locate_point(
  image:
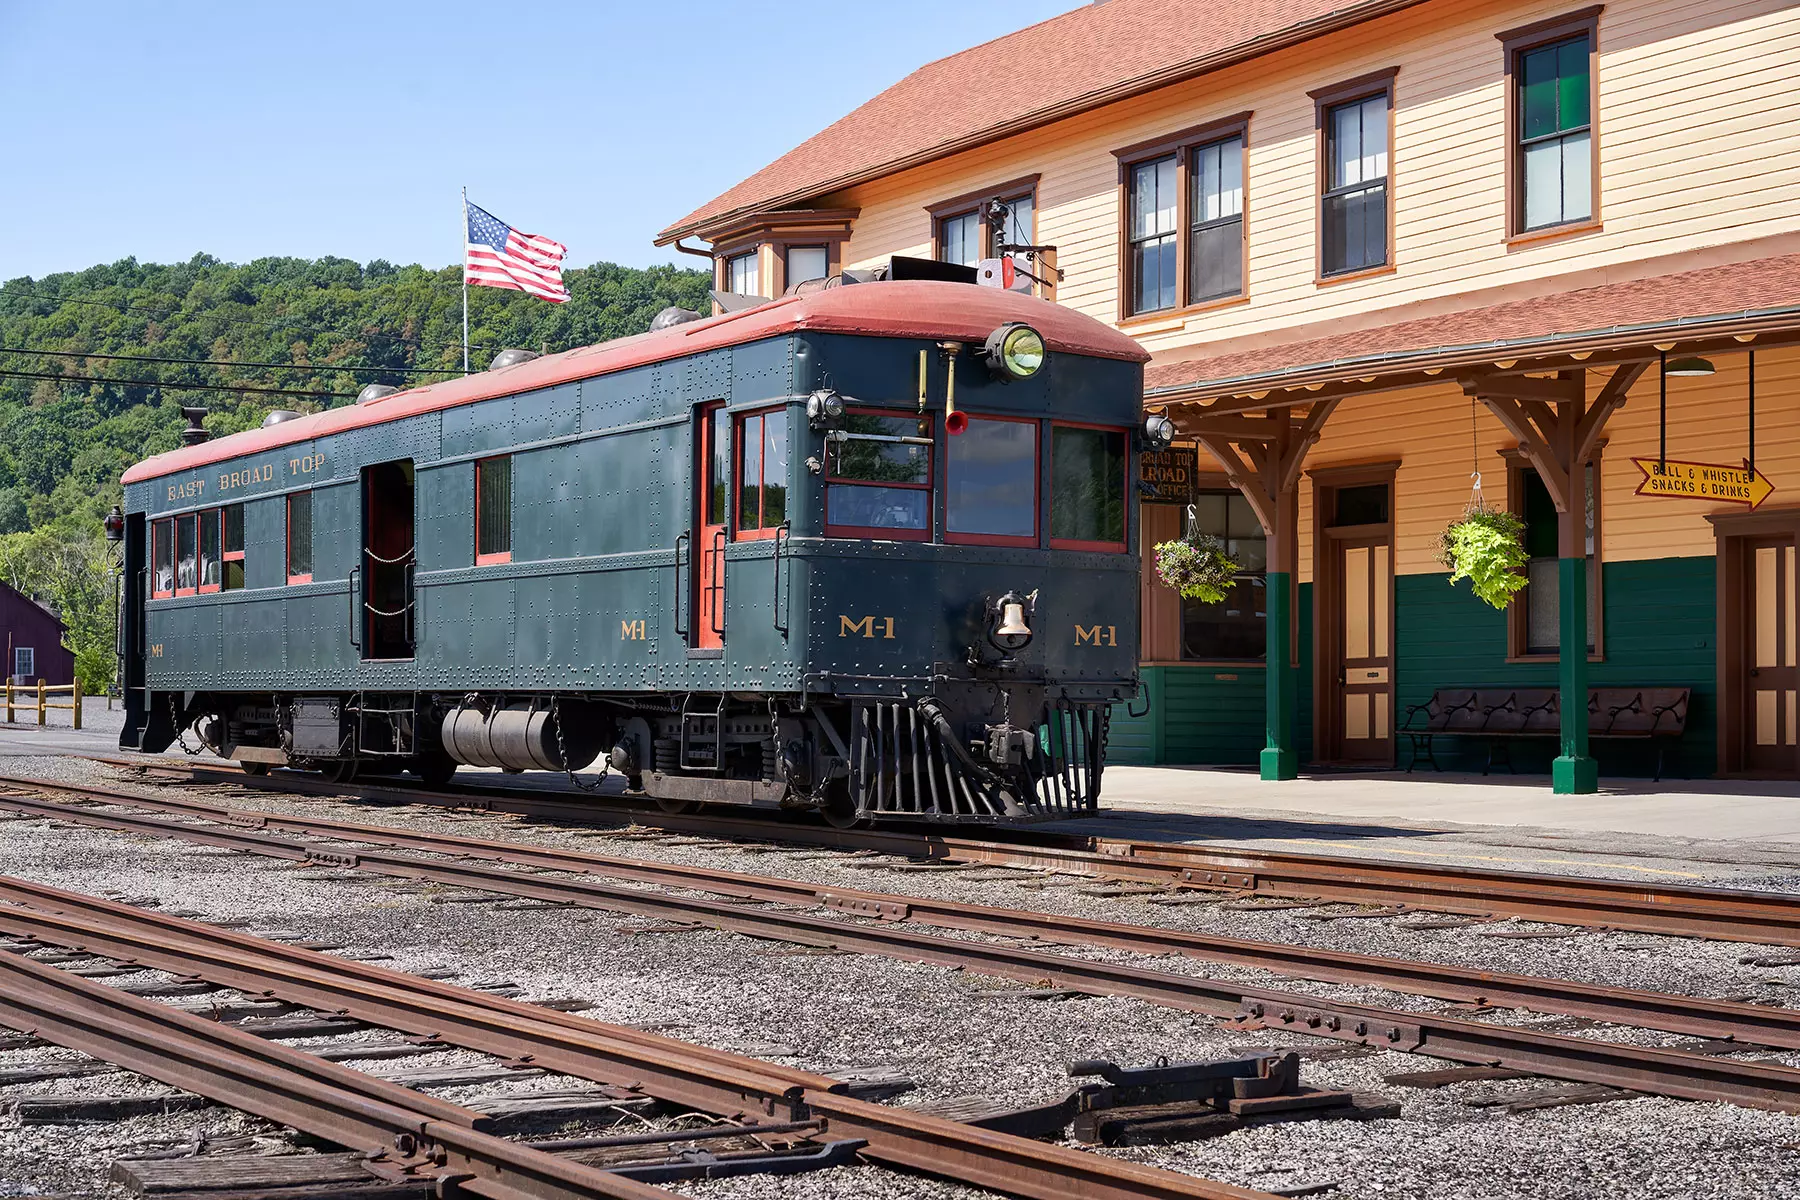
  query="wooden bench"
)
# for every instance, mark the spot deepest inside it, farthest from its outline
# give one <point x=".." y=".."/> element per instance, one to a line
<point x="1499" y="715"/>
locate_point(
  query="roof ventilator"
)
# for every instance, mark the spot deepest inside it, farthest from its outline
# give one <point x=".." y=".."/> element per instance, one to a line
<point x="672" y="316"/>
<point x="195" y="433"/>
<point x="375" y="391"/>
<point x="278" y="416"/>
<point x="511" y="358"/>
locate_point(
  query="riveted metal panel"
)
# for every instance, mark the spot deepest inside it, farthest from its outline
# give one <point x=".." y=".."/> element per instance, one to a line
<point x="447" y="623"/>
<point x="491" y="635"/>
<point x="385" y="443"/>
<point x="621" y="399"/>
<point x="444" y="516"/>
<point x="265" y="542"/>
<point x="708" y="377"/>
<point x="547" y="413"/>
<point x="336" y="530"/>
<point x="254" y="651"/>
<point x="478" y="428"/>
<point x="317" y="628"/>
<point x="761" y="370"/>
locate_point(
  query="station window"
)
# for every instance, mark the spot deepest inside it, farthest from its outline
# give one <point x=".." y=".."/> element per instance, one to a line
<point x="1534" y="624"/>
<point x="762" y="474"/>
<point x="231" y="574"/>
<point x="992" y="483"/>
<point x="1552" y="176"/>
<point x="493" y="510"/>
<point x="970" y="228"/>
<point x="1353" y="210"/>
<point x="299" y="538"/>
<point x="879" y="488"/>
<point x="1235" y="628"/>
<point x="162" y="535"/>
<point x="187" y="574"/>
<point x="959" y="238"/>
<point x="209" y="550"/>
<point x="1087" y="488"/>
<point x="803" y="264"/>
<point x="742" y="275"/>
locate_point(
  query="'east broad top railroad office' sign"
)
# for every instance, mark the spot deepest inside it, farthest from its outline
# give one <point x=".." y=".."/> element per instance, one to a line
<point x="1715" y="482"/>
<point x="1169" y="475"/>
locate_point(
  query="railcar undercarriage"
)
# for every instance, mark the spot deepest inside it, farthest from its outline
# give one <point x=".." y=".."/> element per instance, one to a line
<point x="971" y="752"/>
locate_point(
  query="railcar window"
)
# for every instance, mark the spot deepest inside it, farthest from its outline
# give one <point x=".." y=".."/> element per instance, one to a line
<point x="879" y="489"/>
<point x="718" y="467"/>
<point x="762" y="473"/>
<point x="993" y="495"/>
<point x="164" y="582"/>
<point x="232" y="554"/>
<point x="493" y="510"/>
<point x="209" y="550"/>
<point x="185" y="573"/>
<point x="299" y="538"/>
<point x="1087" y="488"/>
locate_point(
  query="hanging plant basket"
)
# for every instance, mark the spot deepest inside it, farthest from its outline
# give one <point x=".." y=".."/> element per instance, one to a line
<point x="1196" y="566"/>
<point x="1487" y="547"/>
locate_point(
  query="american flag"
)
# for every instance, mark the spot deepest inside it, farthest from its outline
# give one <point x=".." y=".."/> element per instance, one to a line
<point x="497" y="255"/>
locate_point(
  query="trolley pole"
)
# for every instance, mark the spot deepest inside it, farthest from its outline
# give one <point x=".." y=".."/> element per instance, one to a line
<point x="465" y="278"/>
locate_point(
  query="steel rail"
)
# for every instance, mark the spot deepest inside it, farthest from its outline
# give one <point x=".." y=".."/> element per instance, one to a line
<point x="1697" y="1016"/>
<point x="583" y="1048"/>
<point x="1724" y="914"/>
<point x="1664" y="1072"/>
<point x="413" y="1135"/>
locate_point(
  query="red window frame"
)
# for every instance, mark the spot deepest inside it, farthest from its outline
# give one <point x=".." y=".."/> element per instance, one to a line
<point x="1124" y="543"/>
<point x="216" y="516"/>
<point x="1037" y="491"/>
<point x="287" y="537"/>
<point x="877" y="532"/>
<point x="162" y="533"/>
<point x="498" y="556"/>
<point x="192" y="589"/>
<point x="735" y="485"/>
<point x="229" y="556"/>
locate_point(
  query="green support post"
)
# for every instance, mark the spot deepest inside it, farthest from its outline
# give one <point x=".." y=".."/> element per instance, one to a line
<point x="1279" y="761"/>
<point x="1573" y="773"/>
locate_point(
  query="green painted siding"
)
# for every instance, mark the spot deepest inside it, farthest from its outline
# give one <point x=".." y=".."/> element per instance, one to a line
<point x="1659" y="631"/>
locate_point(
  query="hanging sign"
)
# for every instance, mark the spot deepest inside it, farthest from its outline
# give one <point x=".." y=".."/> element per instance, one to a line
<point x="1169" y="475"/>
<point x="1716" y="482"/>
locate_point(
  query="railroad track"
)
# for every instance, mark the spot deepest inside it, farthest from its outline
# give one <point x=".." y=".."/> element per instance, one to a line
<point x="415" y="1136"/>
<point x="1726" y="914"/>
<point x="1662" y="1071"/>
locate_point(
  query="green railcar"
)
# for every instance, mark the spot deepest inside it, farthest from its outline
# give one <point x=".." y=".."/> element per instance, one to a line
<point x="869" y="551"/>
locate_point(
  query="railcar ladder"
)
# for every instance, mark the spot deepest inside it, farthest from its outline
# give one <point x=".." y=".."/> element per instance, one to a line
<point x="703" y="737"/>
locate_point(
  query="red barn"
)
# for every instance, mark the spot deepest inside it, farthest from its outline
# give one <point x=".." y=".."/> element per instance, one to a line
<point x="34" y="641"/>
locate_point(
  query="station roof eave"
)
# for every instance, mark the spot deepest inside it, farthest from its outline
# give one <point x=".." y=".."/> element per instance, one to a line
<point x="1739" y="306"/>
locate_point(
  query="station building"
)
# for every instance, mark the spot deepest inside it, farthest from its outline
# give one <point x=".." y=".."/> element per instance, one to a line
<point x="1382" y="251"/>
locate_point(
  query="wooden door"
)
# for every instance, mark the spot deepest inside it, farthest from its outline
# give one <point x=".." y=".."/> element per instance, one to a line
<point x="711" y="505"/>
<point x="1770" y="675"/>
<point x="1365" y="667"/>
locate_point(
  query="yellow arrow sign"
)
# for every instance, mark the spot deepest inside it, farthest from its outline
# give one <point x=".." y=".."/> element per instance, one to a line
<point x="1704" y="481"/>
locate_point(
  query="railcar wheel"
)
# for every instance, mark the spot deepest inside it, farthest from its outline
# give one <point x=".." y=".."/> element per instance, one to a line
<point x="840" y="811"/>
<point x="434" y="770"/>
<point x="674" y="807"/>
<point x="254" y="768"/>
<point x="338" y="770"/>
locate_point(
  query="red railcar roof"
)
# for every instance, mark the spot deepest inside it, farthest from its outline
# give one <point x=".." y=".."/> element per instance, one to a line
<point x="906" y="309"/>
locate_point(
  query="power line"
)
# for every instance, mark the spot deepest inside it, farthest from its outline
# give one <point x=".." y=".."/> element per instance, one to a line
<point x="174" y="387"/>
<point x="217" y="362"/>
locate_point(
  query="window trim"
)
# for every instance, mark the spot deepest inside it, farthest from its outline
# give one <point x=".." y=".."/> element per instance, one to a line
<point x="499" y="556"/>
<point x="734" y="487"/>
<point x="1518" y="614"/>
<point x="161" y="528"/>
<point x="725" y="261"/>
<point x="1182" y="145"/>
<point x="1124" y="542"/>
<point x="1515" y="43"/>
<point x="877" y="533"/>
<point x="18" y="650"/>
<point x="287" y="536"/>
<point x="230" y="556"/>
<point x="1037" y="491"/>
<point x="781" y="247"/>
<point x="1350" y="91"/>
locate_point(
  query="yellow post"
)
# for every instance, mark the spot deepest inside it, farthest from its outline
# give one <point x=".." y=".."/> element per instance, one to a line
<point x="40" y="701"/>
<point x="78" y="704"/>
<point x="9" y="702"/>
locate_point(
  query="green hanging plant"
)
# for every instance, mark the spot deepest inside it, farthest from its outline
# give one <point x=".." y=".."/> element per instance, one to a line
<point x="1486" y="547"/>
<point x="1196" y="566"/>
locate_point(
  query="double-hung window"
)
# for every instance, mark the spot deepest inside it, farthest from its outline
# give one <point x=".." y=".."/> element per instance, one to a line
<point x="24" y="663"/>
<point x="209" y="550"/>
<point x="162" y="537"/>
<point x="232" y="548"/>
<point x="959" y="238"/>
<point x="493" y="510"/>
<point x="1183" y="199"/>
<point x="187" y="569"/>
<point x="1551" y="126"/>
<point x="1355" y="123"/>
<point x="743" y="274"/>
<point x="762" y="474"/>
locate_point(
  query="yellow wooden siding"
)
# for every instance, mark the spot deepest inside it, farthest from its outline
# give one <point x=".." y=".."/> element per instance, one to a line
<point x="1699" y="136"/>
<point x="1428" y="431"/>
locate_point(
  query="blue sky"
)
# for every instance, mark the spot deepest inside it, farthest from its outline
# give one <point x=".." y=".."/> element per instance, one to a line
<point x="246" y="129"/>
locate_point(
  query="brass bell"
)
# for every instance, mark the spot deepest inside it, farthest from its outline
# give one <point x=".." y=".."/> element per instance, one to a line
<point x="1012" y="620"/>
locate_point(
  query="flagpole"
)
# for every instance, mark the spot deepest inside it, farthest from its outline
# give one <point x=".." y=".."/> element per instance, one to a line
<point x="465" y="279"/>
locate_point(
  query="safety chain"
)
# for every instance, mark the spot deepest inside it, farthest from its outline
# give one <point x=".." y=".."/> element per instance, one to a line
<point x="563" y="753"/>
<point x="180" y="733"/>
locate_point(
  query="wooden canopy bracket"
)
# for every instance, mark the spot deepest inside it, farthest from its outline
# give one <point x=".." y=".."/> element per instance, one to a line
<point x="1557" y="428"/>
<point x="1262" y="456"/>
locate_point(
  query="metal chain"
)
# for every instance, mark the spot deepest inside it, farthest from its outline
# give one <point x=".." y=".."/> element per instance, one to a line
<point x="563" y="753"/>
<point x="180" y="733"/>
<point x="1476" y="501"/>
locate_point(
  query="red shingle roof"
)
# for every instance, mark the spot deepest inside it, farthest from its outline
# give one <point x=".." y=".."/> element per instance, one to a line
<point x="1095" y="55"/>
<point x="1764" y="293"/>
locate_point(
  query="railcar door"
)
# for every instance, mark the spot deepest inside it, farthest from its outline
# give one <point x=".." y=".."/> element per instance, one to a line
<point x="387" y="560"/>
<point x="713" y="484"/>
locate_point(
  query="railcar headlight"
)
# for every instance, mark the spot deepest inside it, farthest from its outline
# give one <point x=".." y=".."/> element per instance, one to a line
<point x="823" y="407"/>
<point x="1015" y="351"/>
<point x="1159" y="431"/>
